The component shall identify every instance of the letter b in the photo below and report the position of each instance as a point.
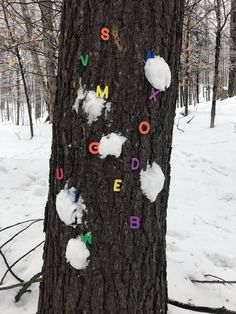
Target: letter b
(134, 222)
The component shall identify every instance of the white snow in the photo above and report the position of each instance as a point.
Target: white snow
(67, 209)
(77, 253)
(111, 144)
(202, 208)
(92, 105)
(152, 181)
(158, 73)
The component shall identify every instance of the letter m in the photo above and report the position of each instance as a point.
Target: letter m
(102, 93)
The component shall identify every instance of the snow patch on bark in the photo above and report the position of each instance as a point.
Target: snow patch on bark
(111, 145)
(77, 253)
(152, 181)
(92, 105)
(68, 210)
(158, 73)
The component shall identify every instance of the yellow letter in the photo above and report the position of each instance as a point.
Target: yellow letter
(100, 93)
(117, 185)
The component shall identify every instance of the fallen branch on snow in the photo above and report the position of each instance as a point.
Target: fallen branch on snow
(19, 223)
(26, 285)
(202, 309)
(10, 267)
(20, 284)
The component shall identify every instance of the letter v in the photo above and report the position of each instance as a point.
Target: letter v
(85, 60)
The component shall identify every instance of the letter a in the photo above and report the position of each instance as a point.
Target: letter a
(100, 93)
(134, 222)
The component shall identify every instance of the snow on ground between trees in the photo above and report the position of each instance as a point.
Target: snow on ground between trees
(158, 73)
(201, 212)
(77, 253)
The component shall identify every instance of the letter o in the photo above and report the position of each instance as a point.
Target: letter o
(144, 127)
(94, 148)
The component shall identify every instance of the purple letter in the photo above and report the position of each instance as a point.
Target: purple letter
(154, 95)
(134, 222)
(135, 164)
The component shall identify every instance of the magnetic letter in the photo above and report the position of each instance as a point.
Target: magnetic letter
(117, 185)
(59, 174)
(135, 164)
(154, 95)
(100, 93)
(94, 148)
(134, 222)
(144, 127)
(85, 60)
(86, 238)
(150, 54)
(105, 34)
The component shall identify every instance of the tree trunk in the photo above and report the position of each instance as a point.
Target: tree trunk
(17, 97)
(187, 68)
(46, 8)
(127, 268)
(35, 58)
(217, 61)
(232, 68)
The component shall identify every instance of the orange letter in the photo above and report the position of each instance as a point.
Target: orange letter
(94, 148)
(117, 185)
(144, 127)
(105, 34)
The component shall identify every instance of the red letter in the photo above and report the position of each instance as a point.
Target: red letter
(94, 148)
(105, 34)
(59, 174)
(144, 127)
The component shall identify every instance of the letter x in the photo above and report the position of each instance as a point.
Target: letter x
(154, 95)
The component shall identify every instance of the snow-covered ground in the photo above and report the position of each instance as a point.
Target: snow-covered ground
(201, 214)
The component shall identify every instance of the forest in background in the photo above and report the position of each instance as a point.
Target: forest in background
(29, 36)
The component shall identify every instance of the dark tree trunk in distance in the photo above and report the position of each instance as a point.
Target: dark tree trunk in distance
(127, 269)
(232, 68)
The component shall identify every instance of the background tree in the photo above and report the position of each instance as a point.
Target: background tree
(127, 269)
(221, 18)
(232, 71)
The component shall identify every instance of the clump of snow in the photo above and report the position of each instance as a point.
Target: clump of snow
(77, 253)
(111, 145)
(92, 105)
(152, 181)
(81, 94)
(69, 211)
(158, 73)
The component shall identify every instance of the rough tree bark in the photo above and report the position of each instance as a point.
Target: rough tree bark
(127, 269)
(232, 69)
